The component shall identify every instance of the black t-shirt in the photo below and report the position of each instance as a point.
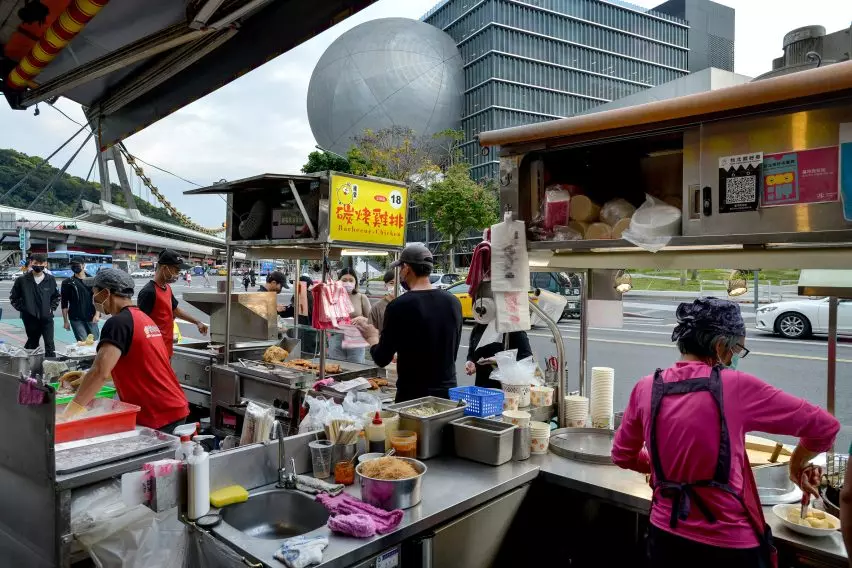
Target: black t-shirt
(147, 296)
(77, 298)
(423, 328)
(118, 331)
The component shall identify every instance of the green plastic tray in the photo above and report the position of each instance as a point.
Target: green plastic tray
(105, 392)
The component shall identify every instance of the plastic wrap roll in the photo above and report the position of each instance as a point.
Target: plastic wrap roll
(584, 209)
(615, 210)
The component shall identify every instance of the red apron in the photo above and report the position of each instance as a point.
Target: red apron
(144, 376)
(164, 316)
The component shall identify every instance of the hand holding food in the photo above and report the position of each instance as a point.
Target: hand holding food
(72, 410)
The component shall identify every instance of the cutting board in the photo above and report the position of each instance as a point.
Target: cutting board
(760, 451)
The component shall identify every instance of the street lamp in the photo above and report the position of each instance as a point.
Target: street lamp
(737, 283)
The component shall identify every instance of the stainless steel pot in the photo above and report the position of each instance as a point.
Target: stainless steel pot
(774, 486)
(392, 494)
(31, 364)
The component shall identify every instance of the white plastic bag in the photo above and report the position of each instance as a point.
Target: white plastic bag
(360, 404)
(513, 372)
(315, 419)
(615, 210)
(513, 310)
(551, 304)
(257, 425)
(136, 537)
(653, 225)
(510, 267)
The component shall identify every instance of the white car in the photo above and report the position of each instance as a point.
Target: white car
(799, 319)
(141, 274)
(442, 281)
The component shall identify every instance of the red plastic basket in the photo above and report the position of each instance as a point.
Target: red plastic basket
(107, 417)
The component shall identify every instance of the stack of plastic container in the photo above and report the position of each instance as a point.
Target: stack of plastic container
(603, 379)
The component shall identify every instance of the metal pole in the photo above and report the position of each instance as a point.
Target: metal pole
(396, 285)
(296, 301)
(756, 294)
(229, 255)
(560, 361)
(323, 335)
(584, 330)
(832, 354)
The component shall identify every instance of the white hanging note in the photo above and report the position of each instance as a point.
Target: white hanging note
(513, 311)
(510, 267)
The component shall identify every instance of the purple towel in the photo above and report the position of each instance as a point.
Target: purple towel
(358, 525)
(343, 504)
(29, 394)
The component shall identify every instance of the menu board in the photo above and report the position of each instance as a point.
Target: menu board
(367, 211)
(739, 182)
(795, 178)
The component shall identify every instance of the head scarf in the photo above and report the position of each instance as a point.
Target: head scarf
(709, 314)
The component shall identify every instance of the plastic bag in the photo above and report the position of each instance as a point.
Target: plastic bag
(257, 425)
(653, 225)
(551, 304)
(512, 310)
(510, 371)
(566, 233)
(205, 551)
(556, 207)
(360, 404)
(315, 419)
(352, 338)
(92, 504)
(615, 210)
(136, 537)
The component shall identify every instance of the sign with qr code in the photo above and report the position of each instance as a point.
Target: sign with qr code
(740, 181)
(806, 176)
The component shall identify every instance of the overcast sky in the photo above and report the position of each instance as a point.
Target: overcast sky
(259, 122)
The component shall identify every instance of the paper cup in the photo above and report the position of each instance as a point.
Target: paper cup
(511, 400)
(519, 418)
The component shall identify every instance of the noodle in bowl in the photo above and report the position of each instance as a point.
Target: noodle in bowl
(390, 494)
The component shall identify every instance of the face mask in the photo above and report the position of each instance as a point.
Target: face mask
(100, 307)
(349, 286)
(735, 361)
(402, 283)
(77, 269)
(389, 289)
(37, 268)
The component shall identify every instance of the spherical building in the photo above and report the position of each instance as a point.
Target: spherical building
(382, 73)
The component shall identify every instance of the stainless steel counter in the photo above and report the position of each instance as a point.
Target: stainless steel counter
(451, 487)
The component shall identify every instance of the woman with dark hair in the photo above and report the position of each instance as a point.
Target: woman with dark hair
(686, 426)
(360, 308)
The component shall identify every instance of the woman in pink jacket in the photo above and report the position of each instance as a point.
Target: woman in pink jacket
(686, 426)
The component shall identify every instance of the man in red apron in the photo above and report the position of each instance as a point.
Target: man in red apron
(131, 350)
(686, 425)
(158, 301)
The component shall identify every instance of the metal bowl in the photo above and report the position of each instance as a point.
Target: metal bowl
(392, 494)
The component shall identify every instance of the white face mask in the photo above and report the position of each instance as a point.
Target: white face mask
(349, 286)
(100, 307)
(389, 289)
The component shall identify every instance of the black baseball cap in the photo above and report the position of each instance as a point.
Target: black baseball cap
(416, 253)
(276, 277)
(172, 258)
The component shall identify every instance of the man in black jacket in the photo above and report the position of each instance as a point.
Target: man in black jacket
(36, 297)
(78, 311)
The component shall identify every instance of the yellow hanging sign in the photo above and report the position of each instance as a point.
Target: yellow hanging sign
(367, 212)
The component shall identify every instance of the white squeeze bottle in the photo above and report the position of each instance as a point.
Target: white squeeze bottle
(198, 477)
(185, 449)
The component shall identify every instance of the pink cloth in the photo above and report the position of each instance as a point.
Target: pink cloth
(480, 268)
(688, 440)
(344, 504)
(357, 525)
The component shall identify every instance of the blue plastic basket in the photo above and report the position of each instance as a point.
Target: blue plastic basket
(480, 401)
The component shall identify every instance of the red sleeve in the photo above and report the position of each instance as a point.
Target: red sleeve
(628, 449)
(768, 409)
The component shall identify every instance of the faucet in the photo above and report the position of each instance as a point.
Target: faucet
(285, 480)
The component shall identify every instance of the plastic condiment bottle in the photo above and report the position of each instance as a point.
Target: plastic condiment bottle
(376, 434)
(185, 449)
(198, 477)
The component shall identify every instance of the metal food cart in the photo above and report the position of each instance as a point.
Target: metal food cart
(319, 217)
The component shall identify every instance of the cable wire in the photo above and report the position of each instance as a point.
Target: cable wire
(59, 110)
(59, 172)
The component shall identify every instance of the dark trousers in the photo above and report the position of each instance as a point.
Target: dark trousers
(36, 329)
(666, 550)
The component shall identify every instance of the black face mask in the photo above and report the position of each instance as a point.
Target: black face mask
(76, 269)
(38, 268)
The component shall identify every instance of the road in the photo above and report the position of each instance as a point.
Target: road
(642, 345)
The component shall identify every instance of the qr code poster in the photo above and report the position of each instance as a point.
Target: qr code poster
(740, 182)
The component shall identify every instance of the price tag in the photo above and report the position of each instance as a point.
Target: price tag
(389, 559)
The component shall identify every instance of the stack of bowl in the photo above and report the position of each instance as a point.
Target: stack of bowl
(539, 437)
(576, 411)
(603, 379)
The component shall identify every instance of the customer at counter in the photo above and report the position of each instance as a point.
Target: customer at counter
(422, 328)
(693, 418)
(78, 312)
(377, 312)
(158, 301)
(477, 349)
(132, 351)
(360, 308)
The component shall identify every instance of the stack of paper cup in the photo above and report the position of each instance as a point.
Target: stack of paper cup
(603, 379)
(576, 411)
(539, 437)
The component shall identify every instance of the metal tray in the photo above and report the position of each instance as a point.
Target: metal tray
(431, 431)
(76, 456)
(482, 440)
(589, 445)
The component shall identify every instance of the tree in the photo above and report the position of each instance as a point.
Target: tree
(324, 161)
(457, 204)
(448, 147)
(394, 153)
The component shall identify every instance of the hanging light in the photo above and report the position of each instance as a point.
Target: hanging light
(737, 283)
(623, 282)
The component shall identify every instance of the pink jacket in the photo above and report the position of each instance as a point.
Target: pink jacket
(688, 436)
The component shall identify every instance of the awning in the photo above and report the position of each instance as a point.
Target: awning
(136, 62)
(836, 283)
(262, 181)
(779, 92)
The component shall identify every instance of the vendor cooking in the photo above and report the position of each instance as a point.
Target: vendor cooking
(693, 418)
(132, 351)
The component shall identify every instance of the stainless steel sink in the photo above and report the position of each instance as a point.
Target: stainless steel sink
(276, 514)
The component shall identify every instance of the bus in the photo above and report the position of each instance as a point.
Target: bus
(59, 262)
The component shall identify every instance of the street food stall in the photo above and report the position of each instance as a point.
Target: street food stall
(496, 495)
